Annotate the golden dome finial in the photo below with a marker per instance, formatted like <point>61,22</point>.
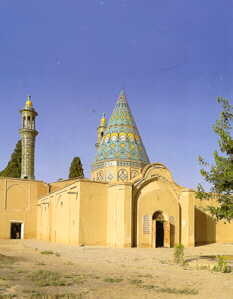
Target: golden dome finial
<point>29,102</point>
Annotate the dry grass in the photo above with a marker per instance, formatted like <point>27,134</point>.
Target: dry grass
<point>7,260</point>
<point>47,252</point>
<point>135,281</point>
<point>113,280</point>
<point>45,278</point>
<point>185,291</point>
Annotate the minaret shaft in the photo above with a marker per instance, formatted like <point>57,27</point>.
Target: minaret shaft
<point>28,154</point>
<point>28,135</point>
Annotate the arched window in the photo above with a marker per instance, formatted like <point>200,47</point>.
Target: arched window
<point>24,121</point>
<point>33,122</point>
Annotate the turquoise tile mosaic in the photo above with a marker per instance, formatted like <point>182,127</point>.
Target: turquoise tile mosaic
<point>121,140</point>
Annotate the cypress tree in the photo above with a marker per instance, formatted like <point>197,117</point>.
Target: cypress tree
<point>13,168</point>
<point>76,168</point>
<point>220,174</point>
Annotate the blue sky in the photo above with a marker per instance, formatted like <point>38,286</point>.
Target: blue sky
<point>73,57</point>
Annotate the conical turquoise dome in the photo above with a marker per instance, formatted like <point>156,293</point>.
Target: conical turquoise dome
<point>121,140</point>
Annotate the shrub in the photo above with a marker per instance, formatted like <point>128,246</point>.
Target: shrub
<point>221,265</point>
<point>179,254</point>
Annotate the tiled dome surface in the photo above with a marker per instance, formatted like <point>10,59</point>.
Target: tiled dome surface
<point>121,139</point>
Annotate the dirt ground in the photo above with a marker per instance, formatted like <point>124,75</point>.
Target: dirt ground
<point>36,269</point>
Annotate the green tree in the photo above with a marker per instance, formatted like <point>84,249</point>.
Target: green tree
<point>220,174</point>
<point>13,168</point>
<point>76,168</point>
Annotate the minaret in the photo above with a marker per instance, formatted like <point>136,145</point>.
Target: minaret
<point>101,129</point>
<point>28,136</point>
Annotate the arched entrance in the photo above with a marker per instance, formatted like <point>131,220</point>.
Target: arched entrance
<point>160,230</point>
<point>155,213</point>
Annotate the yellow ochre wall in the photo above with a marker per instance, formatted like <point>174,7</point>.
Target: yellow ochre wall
<point>58,216</point>
<point>207,230</point>
<point>119,215</point>
<point>93,213</point>
<point>74,215</point>
<point>187,217</point>
<point>18,203</point>
<point>53,187</point>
